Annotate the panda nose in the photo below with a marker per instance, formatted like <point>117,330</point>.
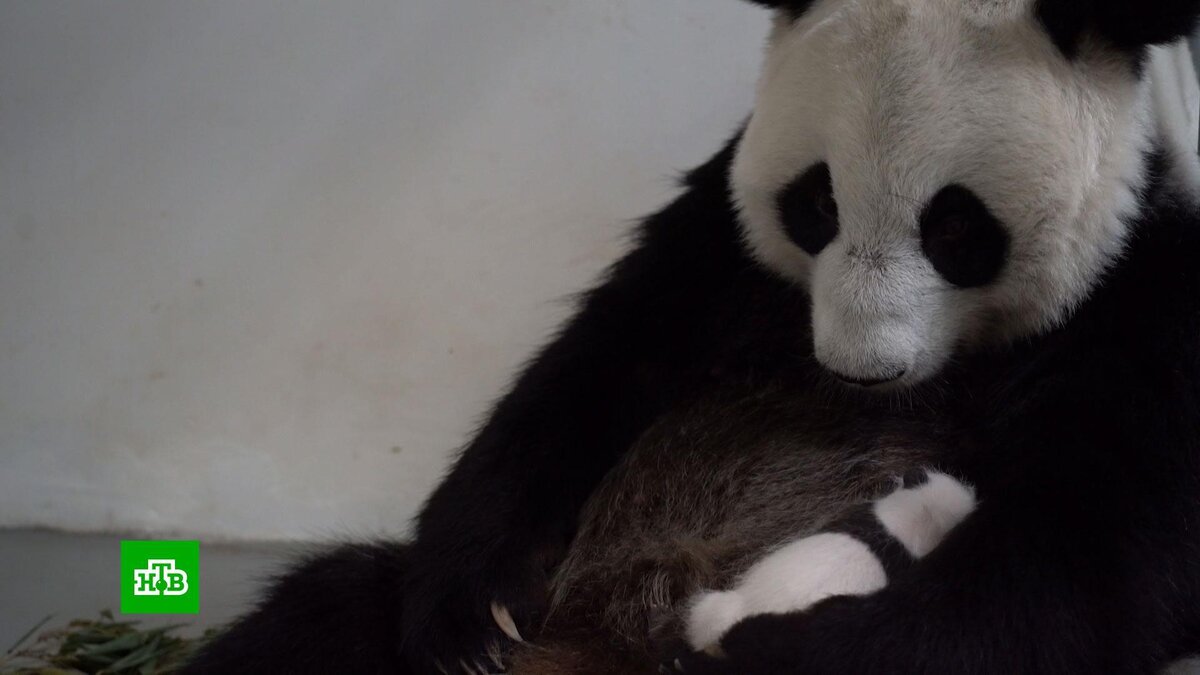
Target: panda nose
<point>870,381</point>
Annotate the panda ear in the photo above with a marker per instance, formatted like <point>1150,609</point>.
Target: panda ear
<point>1128,24</point>
<point>1137,23</point>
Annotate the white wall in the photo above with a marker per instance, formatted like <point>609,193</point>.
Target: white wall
<point>263,264</point>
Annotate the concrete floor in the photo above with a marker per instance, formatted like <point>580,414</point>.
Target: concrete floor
<point>75,576</point>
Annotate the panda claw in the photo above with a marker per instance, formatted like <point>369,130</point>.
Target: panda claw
<point>505,623</point>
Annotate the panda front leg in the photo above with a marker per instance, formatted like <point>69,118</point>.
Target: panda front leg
<point>1040,585</point>
<point>497,526</point>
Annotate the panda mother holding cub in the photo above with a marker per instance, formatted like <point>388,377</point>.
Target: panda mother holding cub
<point>907,380</point>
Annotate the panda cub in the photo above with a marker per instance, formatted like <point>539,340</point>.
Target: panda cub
<point>853,556</point>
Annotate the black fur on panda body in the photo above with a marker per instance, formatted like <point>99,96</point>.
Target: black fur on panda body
<point>683,311</point>
<point>1082,443</point>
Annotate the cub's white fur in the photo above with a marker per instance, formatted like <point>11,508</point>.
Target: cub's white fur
<point>923,94</point>
<point>808,570</point>
<point>921,517</point>
<point>793,577</point>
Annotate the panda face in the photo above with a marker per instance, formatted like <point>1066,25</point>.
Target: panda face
<point>938,174</point>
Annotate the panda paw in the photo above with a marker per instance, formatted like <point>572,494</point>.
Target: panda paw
<point>458,623</point>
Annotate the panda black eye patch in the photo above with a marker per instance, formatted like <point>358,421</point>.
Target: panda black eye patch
<point>808,210</point>
<point>959,235</point>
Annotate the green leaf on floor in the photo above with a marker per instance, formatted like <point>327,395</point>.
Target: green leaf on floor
<point>100,647</point>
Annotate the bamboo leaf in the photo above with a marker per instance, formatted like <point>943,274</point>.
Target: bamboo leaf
<point>123,643</point>
<point>137,657</point>
<point>21,640</point>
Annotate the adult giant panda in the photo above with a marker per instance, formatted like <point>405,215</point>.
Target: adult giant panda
<point>953,233</point>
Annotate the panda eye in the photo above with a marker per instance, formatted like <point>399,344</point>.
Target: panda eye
<point>966,244</point>
<point>809,211</point>
<point>827,206</point>
<point>952,228</point>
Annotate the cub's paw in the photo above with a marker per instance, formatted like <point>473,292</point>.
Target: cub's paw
<point>766,644</point>
<point>709,662</point>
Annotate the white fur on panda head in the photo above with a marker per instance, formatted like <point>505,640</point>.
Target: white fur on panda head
<point>958,170</point>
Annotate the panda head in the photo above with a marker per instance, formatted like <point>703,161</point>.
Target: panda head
<point>943,173</point>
